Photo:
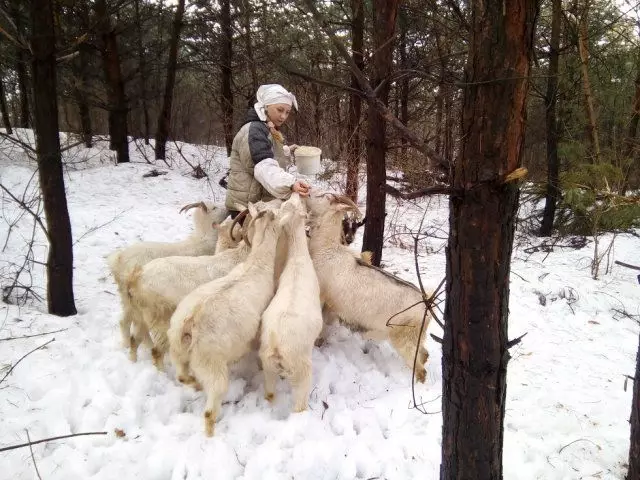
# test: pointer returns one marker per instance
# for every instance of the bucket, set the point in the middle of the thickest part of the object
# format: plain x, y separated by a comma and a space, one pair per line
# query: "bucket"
307, 160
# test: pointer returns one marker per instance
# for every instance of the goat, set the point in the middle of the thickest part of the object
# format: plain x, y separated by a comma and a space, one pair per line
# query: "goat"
156, 288
362, 295
293, 319
215, 324
123, 262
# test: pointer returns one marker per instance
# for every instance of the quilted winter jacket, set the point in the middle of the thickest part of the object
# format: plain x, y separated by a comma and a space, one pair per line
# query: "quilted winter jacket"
252, 144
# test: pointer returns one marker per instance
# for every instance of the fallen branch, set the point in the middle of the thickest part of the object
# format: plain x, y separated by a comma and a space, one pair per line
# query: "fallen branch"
22, 358
50, 439
633, 267
35, 465
5, 339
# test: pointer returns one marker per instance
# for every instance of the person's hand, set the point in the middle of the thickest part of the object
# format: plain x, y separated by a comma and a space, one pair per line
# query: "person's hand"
301, 187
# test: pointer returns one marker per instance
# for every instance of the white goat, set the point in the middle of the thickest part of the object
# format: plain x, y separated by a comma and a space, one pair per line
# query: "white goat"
156, 288
123, 262
215, 324
362, 295
293, 319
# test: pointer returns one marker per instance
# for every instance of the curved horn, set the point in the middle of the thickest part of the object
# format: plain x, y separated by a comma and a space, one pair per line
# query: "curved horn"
239, 217
194, 205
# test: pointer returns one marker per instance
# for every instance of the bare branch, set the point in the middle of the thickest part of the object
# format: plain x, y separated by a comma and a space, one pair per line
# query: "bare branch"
5, 339
35, 465
435, 190
22, 358
436, 160
50, 439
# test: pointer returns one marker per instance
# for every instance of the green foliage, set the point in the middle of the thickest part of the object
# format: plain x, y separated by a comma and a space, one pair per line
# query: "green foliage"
588, 207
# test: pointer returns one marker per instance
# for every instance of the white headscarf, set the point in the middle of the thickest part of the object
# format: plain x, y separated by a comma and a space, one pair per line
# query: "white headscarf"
271, 94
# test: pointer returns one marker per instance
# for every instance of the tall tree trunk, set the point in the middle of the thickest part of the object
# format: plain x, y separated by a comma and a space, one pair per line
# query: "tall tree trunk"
634, 445
404, 81
164, 119
21, 67
226, 96
385, 13
60, 259
82, 66
115, 84
583, 49
81, 95
143, 73
550, 101
246, 25
481, 226
3, 108
355, 102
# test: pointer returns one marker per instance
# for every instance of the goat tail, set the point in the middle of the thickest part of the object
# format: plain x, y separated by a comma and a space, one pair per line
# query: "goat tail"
186, 337
273, 354
133, 281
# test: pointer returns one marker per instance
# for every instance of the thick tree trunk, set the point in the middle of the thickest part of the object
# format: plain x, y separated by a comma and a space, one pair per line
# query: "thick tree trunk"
21, 67
481, 223
355, 102
226, 96
143, 73
385, 14
550, 102
60, 259
115, 84
634, 446
164, 119
583, 49
3, 109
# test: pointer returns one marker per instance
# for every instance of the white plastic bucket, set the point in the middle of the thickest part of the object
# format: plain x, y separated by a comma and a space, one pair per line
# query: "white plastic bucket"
307, 160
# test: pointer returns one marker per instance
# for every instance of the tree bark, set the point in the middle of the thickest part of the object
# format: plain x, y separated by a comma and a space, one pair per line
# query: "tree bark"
550, 103
164, 119
3, 109
583, 49
385, 14
115, 84
21, 67
143, 73
634, 446
481, 223
80, 92
60, 299
246, 25
404, 81
226, 96
355, 102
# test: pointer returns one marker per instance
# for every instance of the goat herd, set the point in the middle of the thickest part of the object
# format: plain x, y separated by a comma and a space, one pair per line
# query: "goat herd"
269, 283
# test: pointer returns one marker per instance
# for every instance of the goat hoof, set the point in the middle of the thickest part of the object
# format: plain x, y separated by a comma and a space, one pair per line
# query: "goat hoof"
300, 409
319, 342
269, 397
421, 376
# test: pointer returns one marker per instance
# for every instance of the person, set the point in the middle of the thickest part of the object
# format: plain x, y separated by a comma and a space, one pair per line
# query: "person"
259, 155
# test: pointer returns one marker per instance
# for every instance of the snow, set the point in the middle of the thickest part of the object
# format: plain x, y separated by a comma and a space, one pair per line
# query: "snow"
567, 412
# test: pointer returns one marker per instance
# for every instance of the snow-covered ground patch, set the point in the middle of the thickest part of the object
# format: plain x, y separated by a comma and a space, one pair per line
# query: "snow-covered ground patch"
567, 413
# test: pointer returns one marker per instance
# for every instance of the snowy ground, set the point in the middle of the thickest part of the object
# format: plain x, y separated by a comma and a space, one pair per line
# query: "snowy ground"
567, 413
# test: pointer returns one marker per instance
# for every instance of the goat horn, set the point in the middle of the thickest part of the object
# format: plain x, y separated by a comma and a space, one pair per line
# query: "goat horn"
239, 217
194, 205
